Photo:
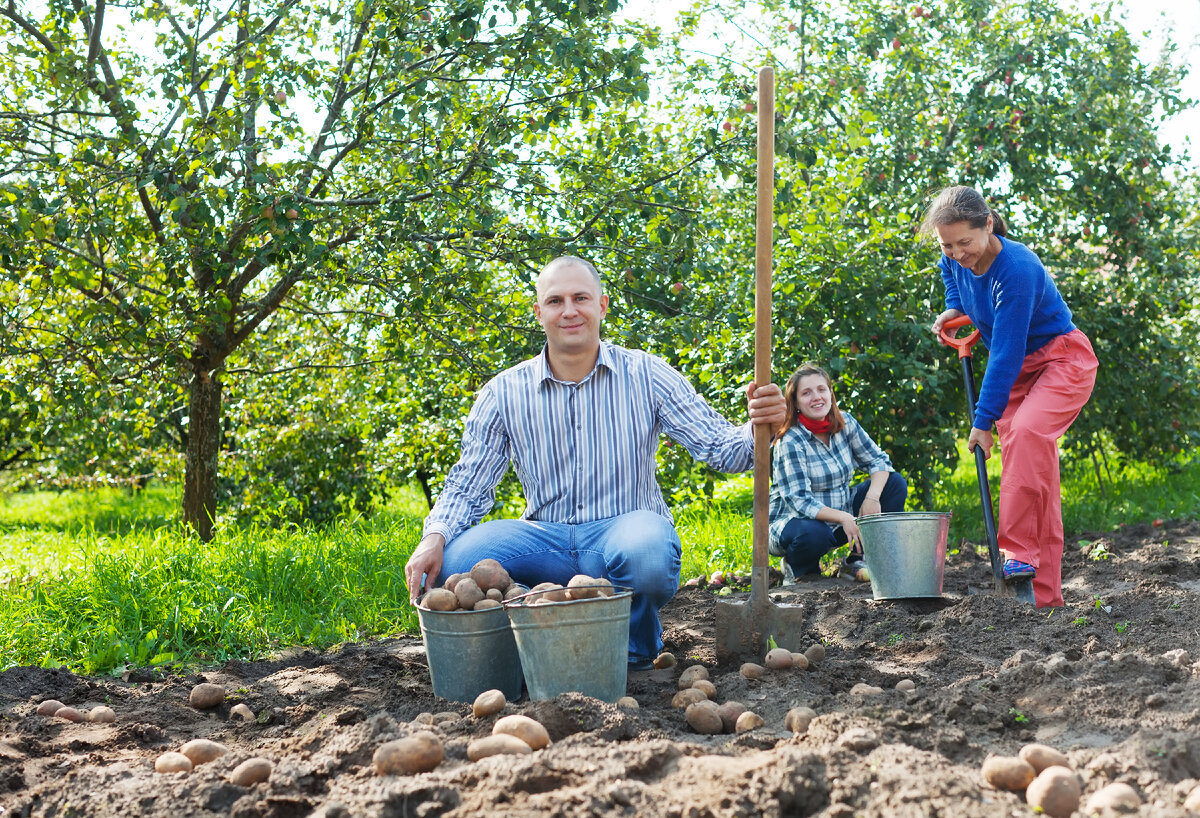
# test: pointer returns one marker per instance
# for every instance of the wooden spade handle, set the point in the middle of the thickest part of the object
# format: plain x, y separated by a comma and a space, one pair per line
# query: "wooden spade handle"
764, 225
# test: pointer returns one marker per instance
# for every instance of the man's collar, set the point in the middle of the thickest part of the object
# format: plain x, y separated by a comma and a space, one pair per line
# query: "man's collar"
606, 358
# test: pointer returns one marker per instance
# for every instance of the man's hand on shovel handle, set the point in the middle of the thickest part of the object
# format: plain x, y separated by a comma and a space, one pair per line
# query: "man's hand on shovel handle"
766, 405
425, 561
982, 438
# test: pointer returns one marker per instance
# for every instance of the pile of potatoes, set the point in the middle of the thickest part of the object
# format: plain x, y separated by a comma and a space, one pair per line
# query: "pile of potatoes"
53, 707
1051, 785
488, 585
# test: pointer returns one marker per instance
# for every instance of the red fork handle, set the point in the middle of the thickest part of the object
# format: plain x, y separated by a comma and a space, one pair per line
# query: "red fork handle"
964, 344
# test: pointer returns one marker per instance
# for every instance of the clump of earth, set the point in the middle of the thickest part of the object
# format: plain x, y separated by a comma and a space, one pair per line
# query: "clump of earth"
1112, 681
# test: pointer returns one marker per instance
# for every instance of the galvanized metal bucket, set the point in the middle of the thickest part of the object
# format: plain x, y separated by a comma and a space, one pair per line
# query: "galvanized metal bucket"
905, 553
470, 652
579, 646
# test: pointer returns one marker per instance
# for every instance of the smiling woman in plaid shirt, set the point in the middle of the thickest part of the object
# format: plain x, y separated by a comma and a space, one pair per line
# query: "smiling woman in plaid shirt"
813, 506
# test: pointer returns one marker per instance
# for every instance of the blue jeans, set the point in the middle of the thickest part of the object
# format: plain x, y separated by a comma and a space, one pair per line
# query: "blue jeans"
639, 550
805, 540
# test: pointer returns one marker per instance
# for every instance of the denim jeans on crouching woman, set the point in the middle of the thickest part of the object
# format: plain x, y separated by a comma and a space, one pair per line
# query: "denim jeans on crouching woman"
639, 550
804, 540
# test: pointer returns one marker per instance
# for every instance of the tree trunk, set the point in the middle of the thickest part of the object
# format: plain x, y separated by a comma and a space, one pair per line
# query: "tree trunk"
203, 450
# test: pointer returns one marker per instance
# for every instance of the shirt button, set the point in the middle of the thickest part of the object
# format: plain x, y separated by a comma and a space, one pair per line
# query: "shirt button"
580, 506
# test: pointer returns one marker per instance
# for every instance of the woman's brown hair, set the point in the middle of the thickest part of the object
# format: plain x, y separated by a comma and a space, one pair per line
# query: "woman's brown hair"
962, 204
836, 421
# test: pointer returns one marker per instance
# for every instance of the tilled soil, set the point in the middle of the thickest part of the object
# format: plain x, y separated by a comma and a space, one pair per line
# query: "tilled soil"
1112, 680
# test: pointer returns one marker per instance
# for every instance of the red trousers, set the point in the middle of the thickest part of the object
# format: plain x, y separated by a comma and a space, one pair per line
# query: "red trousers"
1054, 384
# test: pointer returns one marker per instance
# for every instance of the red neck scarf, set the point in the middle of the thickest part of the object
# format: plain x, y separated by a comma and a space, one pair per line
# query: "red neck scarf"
820, 427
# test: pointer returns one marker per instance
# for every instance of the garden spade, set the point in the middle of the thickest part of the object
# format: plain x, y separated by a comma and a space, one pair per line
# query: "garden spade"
744, 627
1022, 588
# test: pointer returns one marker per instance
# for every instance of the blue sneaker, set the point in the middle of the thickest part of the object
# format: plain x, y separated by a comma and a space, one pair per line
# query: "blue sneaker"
1015, 569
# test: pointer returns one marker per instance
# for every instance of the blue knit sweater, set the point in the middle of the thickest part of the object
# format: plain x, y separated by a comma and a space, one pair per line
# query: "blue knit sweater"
1017, 310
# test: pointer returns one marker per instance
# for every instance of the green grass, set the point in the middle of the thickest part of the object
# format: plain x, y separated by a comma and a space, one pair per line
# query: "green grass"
104, 579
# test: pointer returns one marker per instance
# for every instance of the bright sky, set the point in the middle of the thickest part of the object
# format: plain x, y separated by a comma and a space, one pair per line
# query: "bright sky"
1148, 21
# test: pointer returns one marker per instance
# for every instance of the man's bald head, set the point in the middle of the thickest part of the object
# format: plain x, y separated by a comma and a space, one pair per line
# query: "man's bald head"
563, 262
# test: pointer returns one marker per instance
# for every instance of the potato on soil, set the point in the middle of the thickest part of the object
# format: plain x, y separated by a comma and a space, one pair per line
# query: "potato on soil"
1119, 797
798, 719
468, 593
905, 685
251, 771
752, 671
485, 603
242, 712
628, 702
50, 707
172, 762
664, 660
1041, 756
866, 691
1192, 802
529, 731
691, 674
439, 599
729, 712
549, 592
799, 661
501, 745
102, 715
418, 753
748, 721
1008, 773
489, 573
488, 702
1055, 791
688, 697
206, 696
581, 586
706, 687
201, 751
70, 714
703, 717
778, 659
815, 654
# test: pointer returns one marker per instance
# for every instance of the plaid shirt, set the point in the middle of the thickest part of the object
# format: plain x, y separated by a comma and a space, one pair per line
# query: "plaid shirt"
583, 451
807, 475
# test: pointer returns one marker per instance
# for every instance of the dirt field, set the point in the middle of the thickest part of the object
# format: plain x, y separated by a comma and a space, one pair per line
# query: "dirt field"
1112, 680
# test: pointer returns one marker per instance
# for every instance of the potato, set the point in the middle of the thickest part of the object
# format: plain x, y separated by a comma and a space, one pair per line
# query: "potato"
799, 661
778, 659
1008, 773
423, 718
70, 714
494, 594
628, 702
606, 587
703, 717
1117, 797
418, 753
524, 728
815, 654
581, 586
688, 697
488, 702
501, 745
201, 751
514, 591
748, 721
102, 715
866, 691
752, 671
1192, 802
206, 696
691, 674
549, 592
729, 712
50, 707
439, 599
468, 593
251, 771
172, 762
1040, 756
485, 603
242, 712
798, 719
1055, 791
905, 685
664, 660
489, 573
706, 687
451, 581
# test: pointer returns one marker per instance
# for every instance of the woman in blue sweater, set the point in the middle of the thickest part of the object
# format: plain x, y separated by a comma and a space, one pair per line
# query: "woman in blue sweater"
1040, 373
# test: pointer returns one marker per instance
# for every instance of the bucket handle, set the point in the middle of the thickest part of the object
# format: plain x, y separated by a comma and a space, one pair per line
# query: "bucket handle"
617, 590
